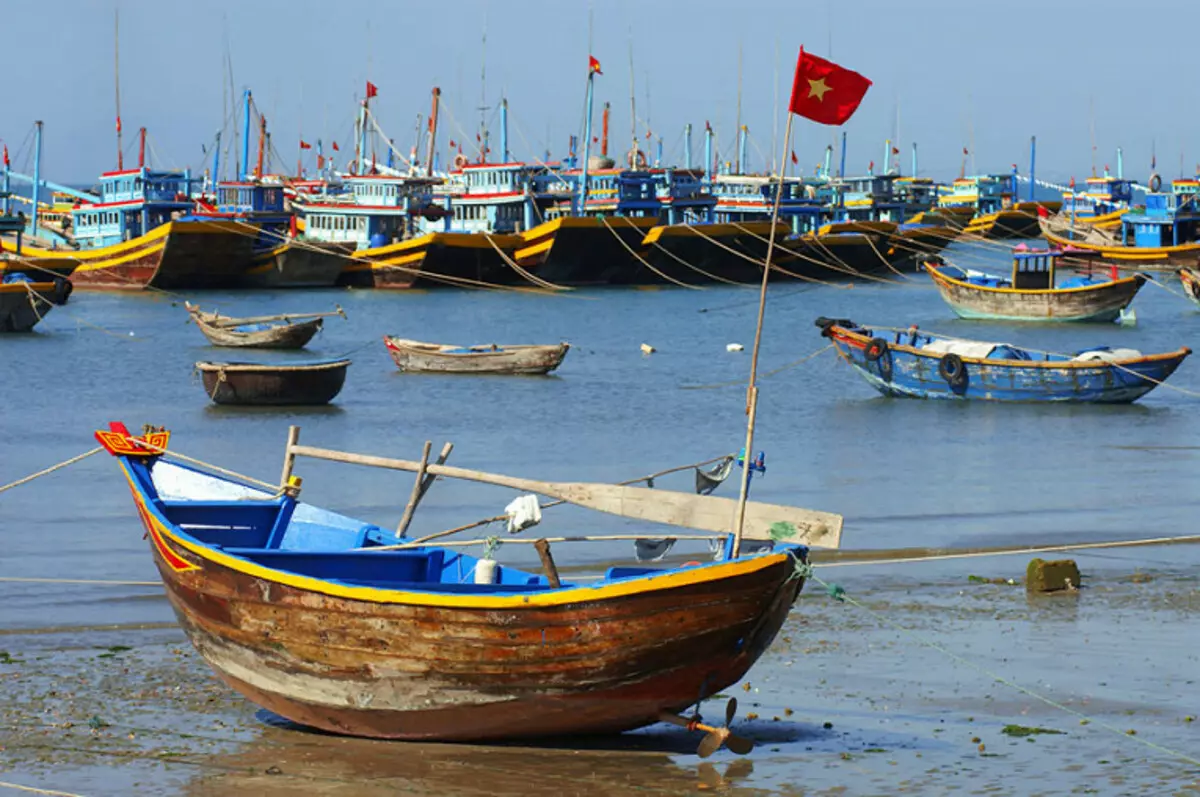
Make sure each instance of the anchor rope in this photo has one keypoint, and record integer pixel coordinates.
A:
(770, 373)
(51, 469)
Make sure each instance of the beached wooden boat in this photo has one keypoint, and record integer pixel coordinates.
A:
(273, 383)
(324, 620)
(1190, 278)
(281, 331)
(1033, 292)
(418, 357)
(25, 301)
(915, 364)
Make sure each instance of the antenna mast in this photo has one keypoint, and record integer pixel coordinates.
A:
(117, 82)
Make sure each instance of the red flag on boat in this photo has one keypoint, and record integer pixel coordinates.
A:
(895, 150)
(372, 90)
(6, 163)
(707, 126)
(594, 65)
(795, 160)
(871, 166)
(1072, 183)
(118, 124)
(320, 162)
(825, 92)
(452, 144)
(965, 151)
(304, 144)
(335, 146)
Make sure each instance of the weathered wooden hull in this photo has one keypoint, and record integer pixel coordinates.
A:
(1103, 302)
(23, 305)
(840, 256)
(1144, 257)
(903, 371)
(507, 360)
(283, 336)
(584, 250)
(179, 255)
(1190, 279)
(399, 670)
(695, 254)
(272, 385)
(299, 264)
(437, 259)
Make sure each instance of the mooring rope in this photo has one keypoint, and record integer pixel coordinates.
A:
(35, 790)
(536, 280)
(51, 469)
(773, 372)
(646, 263)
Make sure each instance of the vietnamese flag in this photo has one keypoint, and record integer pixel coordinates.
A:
(825, 92)
(795, 160)
(304, 144)
(594, 65)
(372, 90)
(335, 146)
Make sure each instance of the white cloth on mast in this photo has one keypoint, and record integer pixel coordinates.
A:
(523, 512)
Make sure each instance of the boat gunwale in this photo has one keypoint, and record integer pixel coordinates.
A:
(935, 273)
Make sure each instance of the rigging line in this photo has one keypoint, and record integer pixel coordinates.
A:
(761, 263)
(773, 372)
(643, 260)
(841, 267)
(51, 469)
(536, 280)
(79, 321)
(686, 264)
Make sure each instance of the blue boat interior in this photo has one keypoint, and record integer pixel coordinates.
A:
(1000, 351)
(282, 534)
(986, 280)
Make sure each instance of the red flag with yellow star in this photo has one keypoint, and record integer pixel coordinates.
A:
(825, 92)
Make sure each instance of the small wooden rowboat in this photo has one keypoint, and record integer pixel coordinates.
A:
(1033, 293)
(25, 301)
(327, 622)
(273, 384)
(281, 331)
(919, 365)
(417, 357)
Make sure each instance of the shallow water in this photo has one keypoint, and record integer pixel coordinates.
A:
(904, 473)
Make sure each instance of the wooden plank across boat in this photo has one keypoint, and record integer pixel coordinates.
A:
(417, 357)
(1033, 292)
(318, 618)
(281, 331)
(914, 364)
(274, 384)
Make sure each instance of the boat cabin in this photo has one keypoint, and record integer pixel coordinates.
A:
(1034, 271)
(987, 193)
(684, 195)
(372, 211)
(1165, 220)
(132, 203)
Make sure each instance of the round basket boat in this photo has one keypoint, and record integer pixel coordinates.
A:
(273, 384)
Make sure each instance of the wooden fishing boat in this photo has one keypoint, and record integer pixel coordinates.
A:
(435, 259)
(277, 384)
(281, 331)
(39, 269)
(417, 357)
(326, 621)
(915, 364)
(1033, 292)
(25, 301)
(1190, 278)
(585, 250)
(298, 264)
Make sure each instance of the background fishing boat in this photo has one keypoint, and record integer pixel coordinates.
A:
(277, 384)
(24, 301)
(1190, 278)
(1033, 292)
(280, 331)
(915, 364)
(325, 620)
(417, 357)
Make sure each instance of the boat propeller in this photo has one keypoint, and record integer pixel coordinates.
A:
(715, 737)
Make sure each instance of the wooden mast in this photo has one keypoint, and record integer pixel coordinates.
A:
(117, 82)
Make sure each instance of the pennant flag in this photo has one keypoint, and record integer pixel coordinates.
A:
(707, 126)
(118, 124)
(304, 144)
(6, 163)
(871, 166)
(647, 134)
(595, 139)
(452, 144)
(335, 146)
(372, 90)
(895, 150)
(594, 65)
(1072, 182)
(795, 160)
(825, 92)
(965, 151)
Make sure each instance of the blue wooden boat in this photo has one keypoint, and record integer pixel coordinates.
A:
(915, 364)
(327, 621)
(1033, 291)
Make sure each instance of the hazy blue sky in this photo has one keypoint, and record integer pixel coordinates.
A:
(995, 72)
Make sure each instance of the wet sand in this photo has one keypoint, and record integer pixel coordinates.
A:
(896, 696)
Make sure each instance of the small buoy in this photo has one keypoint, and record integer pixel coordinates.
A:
(648, 349)
(131, 333)
(734, 347)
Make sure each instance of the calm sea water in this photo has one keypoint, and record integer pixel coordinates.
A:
(903, 472)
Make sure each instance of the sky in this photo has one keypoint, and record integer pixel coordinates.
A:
(948, 74)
